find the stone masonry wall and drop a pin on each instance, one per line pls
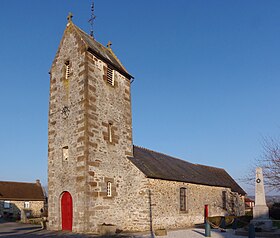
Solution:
(165, 199)
(127, 208)
(93, 160)
(67, 175)
(16, 207)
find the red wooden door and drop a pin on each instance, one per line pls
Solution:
(66, 211)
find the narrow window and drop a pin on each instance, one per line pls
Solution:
(7, 204)
(183, 199)
(26, 205)
(224, 198)
(67, 69)
(109, 189)
(110, 133)
(65, 153)
(110, 76)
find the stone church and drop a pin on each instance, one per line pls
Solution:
(95, 174)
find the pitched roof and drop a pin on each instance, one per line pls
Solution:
(160, 166)
(21, 191)
(249, 200)
(106, 54)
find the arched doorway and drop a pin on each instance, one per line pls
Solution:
(66, 211)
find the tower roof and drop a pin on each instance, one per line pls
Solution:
(102, 52)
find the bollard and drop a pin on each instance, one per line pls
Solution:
(206, 212)
(207, 229)
(234, 225)
(251, 231)
(223, 224)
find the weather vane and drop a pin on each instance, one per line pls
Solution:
(92, 18)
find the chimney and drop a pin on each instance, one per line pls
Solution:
(38, 182)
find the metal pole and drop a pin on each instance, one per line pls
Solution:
(234, 225)
(206, 212)
(223, 224)
(207, 229)
(252, 233)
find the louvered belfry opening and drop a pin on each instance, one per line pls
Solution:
(110, 75)
(109, 189)
(67, 69)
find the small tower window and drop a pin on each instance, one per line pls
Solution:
(110, 132)
(109, 189)
(67, 69)
(110, 76)
(65, 153)
(183, 206)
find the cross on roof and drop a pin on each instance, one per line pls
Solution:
(70, 16)
(109, 44)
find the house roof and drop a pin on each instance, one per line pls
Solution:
(21, 191)
(105, 53)
(249, 200)
(160, 166)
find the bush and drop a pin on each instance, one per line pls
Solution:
(241, 221)
(274, 211)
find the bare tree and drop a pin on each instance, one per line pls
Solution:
(269, 161)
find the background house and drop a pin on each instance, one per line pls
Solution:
(18, 197)
(249, 203)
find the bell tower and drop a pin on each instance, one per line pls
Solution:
(89, 133)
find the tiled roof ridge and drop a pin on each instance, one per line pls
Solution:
(177, 158)
(143, 148)
(208, 166)
(18, 182)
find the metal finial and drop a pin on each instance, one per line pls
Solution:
(92, 18)
(109, 44)
(69, 17)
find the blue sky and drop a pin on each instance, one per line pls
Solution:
(206, 85)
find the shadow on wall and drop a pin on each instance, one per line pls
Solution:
(9, 212)
(151, 214)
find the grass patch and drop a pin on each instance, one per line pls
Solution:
(276, 224)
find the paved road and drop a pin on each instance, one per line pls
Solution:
(12, 229)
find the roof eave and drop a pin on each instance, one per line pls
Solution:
(108, 62)
(21, 199)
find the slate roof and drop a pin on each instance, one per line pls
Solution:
(104, 53)
(160, 166)
(18, 191)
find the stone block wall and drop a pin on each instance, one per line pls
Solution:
(165, 199)
(92, 159)
(67, 174)
(17, 206)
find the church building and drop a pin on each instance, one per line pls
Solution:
(96, 175)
